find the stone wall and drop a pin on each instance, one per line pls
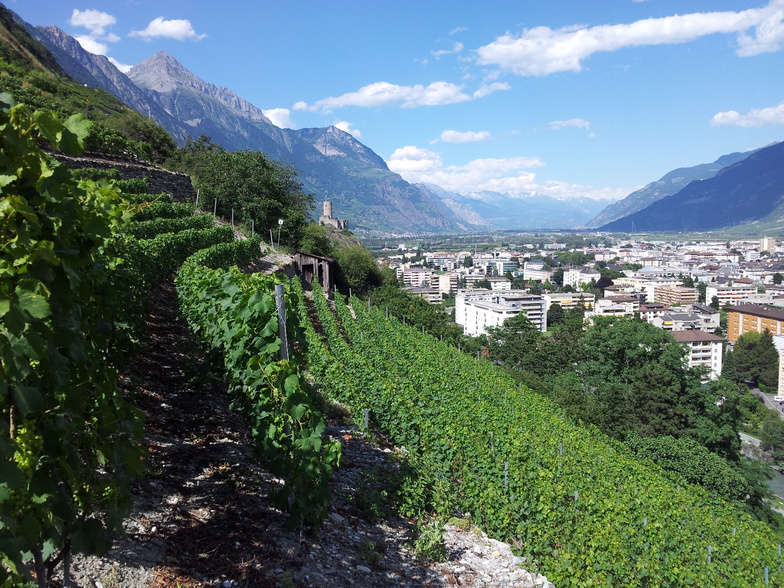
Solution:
(158, 180)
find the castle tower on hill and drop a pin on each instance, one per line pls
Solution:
(326, 217)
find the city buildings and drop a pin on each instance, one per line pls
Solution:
(478, 309)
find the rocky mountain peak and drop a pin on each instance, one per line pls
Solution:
(164, 74)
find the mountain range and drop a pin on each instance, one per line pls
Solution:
(670, 183)
(749, 190)
(333, 165)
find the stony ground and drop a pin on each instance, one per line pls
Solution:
(203, 515)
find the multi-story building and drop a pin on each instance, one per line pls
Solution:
(650, 311)
(476, 310)
(675, 295)
(705, 349)
(729, 293)
(537, 270)
(767, 244)
(678, 321)
(415, 277)
(432, 295)
(446, 283)
(614, 306)
(499, 283)
(570, 300)
(743, 318)
(577, 276)
(709, 316)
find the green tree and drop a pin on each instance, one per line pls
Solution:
(777, 278)
(357, 269)
(255, 187)
(315, 239)
(555, 314)
(515, 344)
(754, 359)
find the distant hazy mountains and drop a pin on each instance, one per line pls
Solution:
(669, 184)
(751, 189)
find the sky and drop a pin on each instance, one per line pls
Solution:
(566, 98)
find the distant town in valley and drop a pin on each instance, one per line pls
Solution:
(706, 293)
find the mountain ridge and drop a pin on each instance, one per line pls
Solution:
(670, 183)
(747, 190)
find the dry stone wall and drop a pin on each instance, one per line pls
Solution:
(158, 180)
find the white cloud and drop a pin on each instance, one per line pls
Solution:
(346, 126)
(92, 45)
(280, 117)
(384, 93)
(456, 48)
(510, 176)
(756, 117)
(580, 123)
(768, 34)
(94, 21)
(542, 50)
(121, 66)
(486, 89)
(97, 24)
(464, 137)
(177, 29)
(456, 30)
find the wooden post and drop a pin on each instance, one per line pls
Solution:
(280, 303)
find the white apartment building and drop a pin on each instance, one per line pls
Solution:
(415, 277)
(705, 349)
(445, 283)
(614, 306)
(476, 310)
(729, 294)
(537, 271)
(577, 276)
(767, 244)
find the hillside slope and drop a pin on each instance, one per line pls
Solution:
(670, 183)
(750, 189)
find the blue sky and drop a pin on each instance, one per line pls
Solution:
(564, 98)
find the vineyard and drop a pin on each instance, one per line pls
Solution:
(577, 504)
(78, 262)
(81, 254)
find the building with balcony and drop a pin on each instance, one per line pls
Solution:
(675, 295)
(705, 349)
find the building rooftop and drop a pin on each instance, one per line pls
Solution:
(763, 310)
(694, 336)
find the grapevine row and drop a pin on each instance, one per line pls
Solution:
(582, 508)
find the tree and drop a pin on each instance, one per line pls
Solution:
(315, 239)
(483, 284)
(714, 303)
(555, 314)
(357, 269)
(253, 186)
(754, 359)
(777, 278)
(515, 343)
(702, 287)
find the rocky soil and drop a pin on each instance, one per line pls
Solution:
(203, 515)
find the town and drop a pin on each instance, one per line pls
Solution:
(706, 293)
